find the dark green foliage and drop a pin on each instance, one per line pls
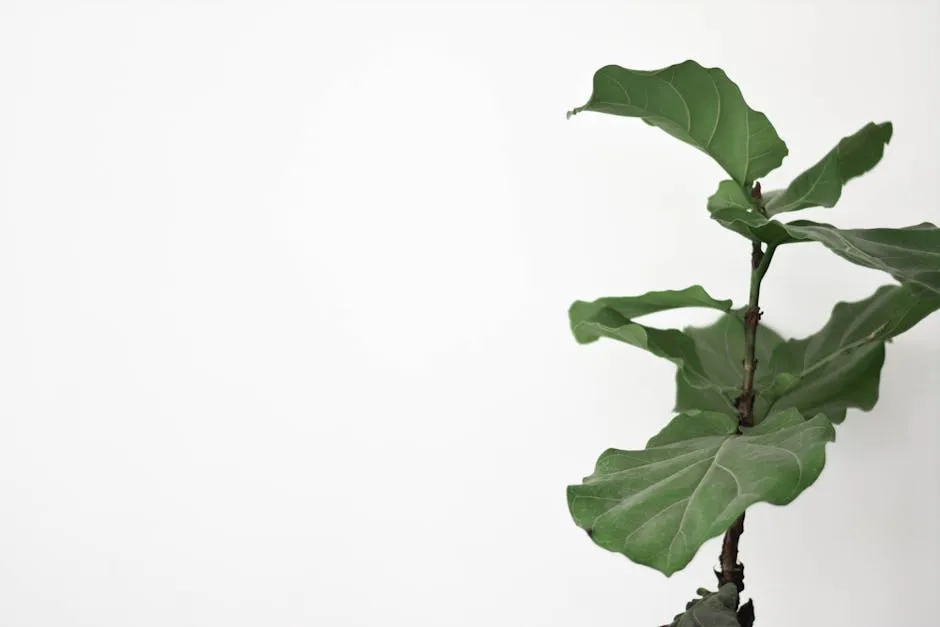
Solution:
(755, 410)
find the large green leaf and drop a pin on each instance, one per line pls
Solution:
(910, 254)
(659, 505)
(713, 609)
(821, 185)
(701, 106)
(612, 318)
(720, 348)
(828, 372)
(839, 366)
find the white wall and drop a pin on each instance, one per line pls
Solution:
(283, 334)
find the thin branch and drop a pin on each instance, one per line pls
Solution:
(731, 570)
(760, 261)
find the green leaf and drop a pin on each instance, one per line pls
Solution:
(849, 381)
(700, 106)
(720, 347)
(612, 318)
(714, 609)
(735, 210)
(840, 366)
(857, 387)
(828, 372)
(707, 399)
(730, 195)
(659, 505)
(821, 185)
(652, 302)
(910, 254)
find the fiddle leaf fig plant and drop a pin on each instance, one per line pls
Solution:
(754, 411)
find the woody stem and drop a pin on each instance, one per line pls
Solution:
(731, 570)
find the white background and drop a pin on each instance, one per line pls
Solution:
(283, 308)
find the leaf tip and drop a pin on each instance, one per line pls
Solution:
(667, 570)
(888, 131)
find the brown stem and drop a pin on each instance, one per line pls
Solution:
(760, 261)
(731, 570)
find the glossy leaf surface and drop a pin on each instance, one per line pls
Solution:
(909, 254)
(832, 370)
(821, 185)
(613, 318)
(839, 366)
(658, 506)
(700, 106)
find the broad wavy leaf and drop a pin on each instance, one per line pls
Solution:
(910, 254)
(828, 372)
(613, 318)
(821, 185)
(659, 505)
(700, 106)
